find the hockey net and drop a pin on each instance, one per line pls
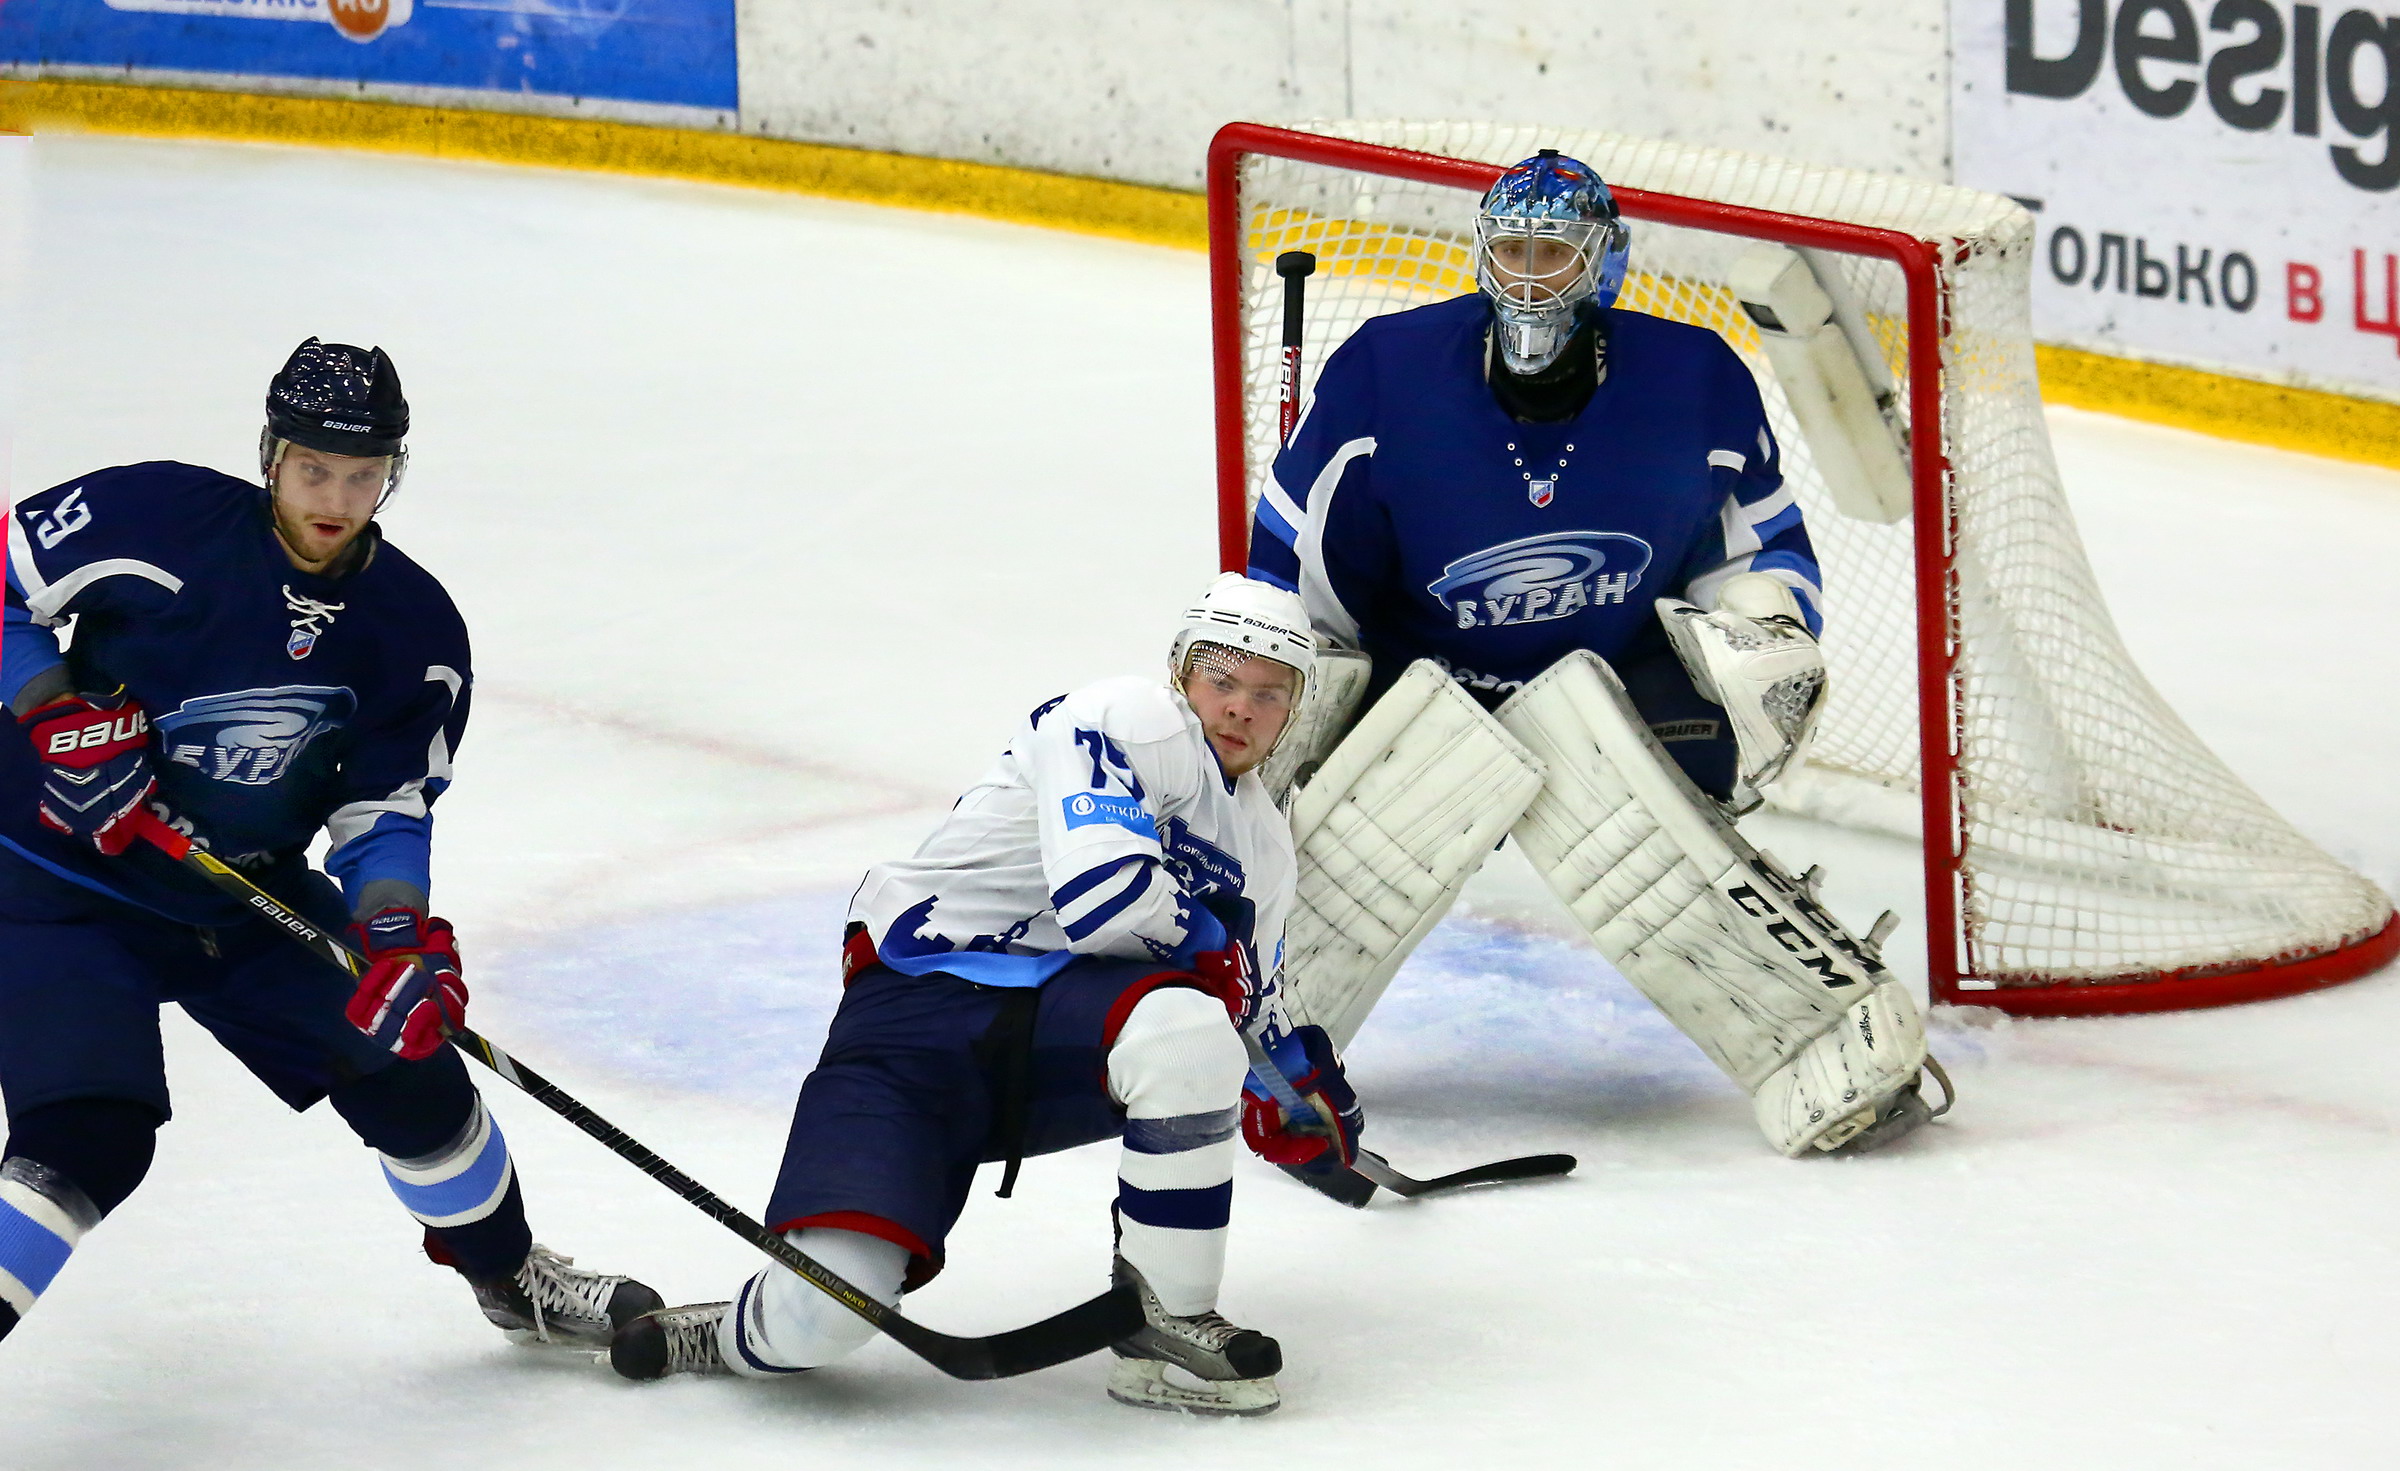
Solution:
(2084, 851)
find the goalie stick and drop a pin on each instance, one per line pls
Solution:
(1355, 1186)
(1085, 1328)
(1295, 267)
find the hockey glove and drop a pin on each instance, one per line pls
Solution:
(411, 996)
(1329, 1135)
(95, 755)
(1222, 956)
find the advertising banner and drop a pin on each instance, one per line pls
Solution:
(670, 52)
(2217, 182)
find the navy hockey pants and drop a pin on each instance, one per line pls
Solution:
(82, 977)
(924, 1078)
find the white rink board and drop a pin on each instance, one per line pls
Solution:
(1133, 92)
(749, 609)
(2147, 153)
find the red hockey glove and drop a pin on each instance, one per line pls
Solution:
(95, 755)
(1328, 1134)
(411, 996)
(1222, 957)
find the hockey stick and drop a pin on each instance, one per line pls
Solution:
(1295, 267)
(1085, 1328)
(1355, 1186)
(1498, 1172)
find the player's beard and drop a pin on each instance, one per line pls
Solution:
(295, 529)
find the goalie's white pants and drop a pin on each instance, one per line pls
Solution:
(1176, 1067)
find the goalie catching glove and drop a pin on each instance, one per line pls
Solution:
(412, 996)
(1754, 657)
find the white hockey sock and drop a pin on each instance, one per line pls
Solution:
(460, 1183)
(781, 1325)
(1177, 1067)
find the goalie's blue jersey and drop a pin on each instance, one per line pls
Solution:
(1418, 520)
(281, 703)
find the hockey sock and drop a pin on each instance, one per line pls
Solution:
(66, 1165)
(42, 1216)
(781, 1325)
(1177, 1067)
(456, 1178)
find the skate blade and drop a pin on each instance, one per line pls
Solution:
(1144, 1384)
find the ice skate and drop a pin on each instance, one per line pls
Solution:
(1200, 1365)
(671, 1341)
(551, 1300)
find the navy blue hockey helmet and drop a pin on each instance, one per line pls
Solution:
(340, 399)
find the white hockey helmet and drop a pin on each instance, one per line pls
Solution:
(1253, 618)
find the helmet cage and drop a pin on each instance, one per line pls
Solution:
(1206, 656)
(1516, 286)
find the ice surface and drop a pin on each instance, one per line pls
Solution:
(769, 516)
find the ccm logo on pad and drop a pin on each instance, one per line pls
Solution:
(123, 728)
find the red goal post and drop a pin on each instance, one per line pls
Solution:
(1991, 858)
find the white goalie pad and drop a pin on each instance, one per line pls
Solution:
(1736, 953)
(1336, 682)
(1754, 657)
(1388, 831)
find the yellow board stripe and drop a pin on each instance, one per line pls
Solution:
(1059, 201)
(2225, 406)
(2214, 403)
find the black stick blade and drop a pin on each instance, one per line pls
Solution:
(1499, 1172)
(1347, 1186)
(1085, 1328)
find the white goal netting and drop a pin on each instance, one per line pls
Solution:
(2101, 841)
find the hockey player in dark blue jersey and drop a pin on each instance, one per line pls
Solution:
(1531, 514)
(253, 665)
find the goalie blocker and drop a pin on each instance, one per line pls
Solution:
(1735, 951)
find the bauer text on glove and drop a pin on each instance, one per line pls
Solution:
(411, 995)
(95, 755)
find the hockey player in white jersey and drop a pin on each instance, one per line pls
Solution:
(1085, 949)
(1549, 541)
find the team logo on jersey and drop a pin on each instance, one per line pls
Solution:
(252, 737)
(1199, 865)
(309, 618)
(1536, 579)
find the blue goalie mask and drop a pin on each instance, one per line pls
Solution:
(1549, 247)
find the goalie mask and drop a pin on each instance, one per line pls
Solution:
(1237, 620)
(1549, 251)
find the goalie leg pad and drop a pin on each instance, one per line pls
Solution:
(1388, 832)
(1336, 682)
(1735, 952)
